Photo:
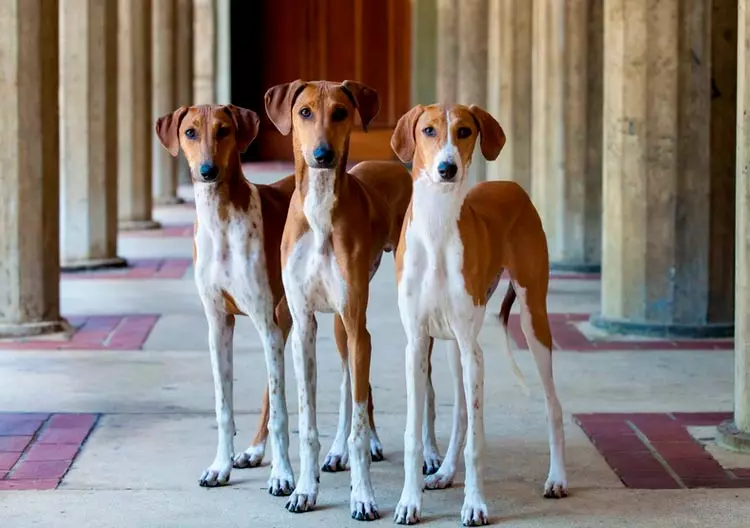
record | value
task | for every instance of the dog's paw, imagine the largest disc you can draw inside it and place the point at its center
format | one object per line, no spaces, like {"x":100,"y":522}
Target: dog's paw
{"x":364,"y":510}
{"x":250,"y":458}
{"x":376,"y":449}
{"x":335,"y":462}
{"x":216,"y":475}
{"x":301,"y":502}
{"x":555,"y":488}
{"x":409,"y":507}
{"x":431,"y":463}
{"x":474,"y":511}
{"x":439,"y":480}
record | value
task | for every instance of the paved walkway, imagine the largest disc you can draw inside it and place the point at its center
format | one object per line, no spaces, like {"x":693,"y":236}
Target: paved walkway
{"x":114,"y":427}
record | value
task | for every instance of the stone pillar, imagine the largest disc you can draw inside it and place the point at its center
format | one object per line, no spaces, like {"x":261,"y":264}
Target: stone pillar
{"x":657,"y":171}
{"x":446,"y":87}
{"x":164,"y":96}
{"x":566,"y":129}
{"x":735,"y":434}
{"x":29,"y":169}
{"x":509,"y":88}
{"x":184,"y":51}
{"x":204,"y":56}
{"x":223,"y":52}
{"x":134,"y":116}
{"x":473,"y":25}
{"x":423,"y":51}
{"x":88,"y":134}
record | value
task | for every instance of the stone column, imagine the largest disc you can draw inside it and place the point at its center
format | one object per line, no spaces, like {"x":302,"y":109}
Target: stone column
{"x":509,"y":87}
{"x":184,"y":50}
{"x":735,"y":434}
{"x":134,"y":116}
{"x":446,"y":88}
{"x":657,"y":171}
{"x":29,"y":169}
{"x":473,"y":25}
{"x":164,"y":96}
{"x":204,"y":56}
{"x":223,"y":52}
{"x":88,"y":134}
{"x":566,"y":129}
{"x":423,"y":51}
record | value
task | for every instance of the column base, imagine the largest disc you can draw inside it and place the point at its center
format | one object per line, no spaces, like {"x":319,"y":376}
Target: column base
{"x":60,"y":326}
{"x":168,"y":200}
{"x":138,"y":225}
{"x":731,"y":438}
{"x":572,"y":267}
{"x":615,"y":326}
{"x":93,"y":264}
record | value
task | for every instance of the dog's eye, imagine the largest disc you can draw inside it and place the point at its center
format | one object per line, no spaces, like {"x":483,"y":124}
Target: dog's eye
{"x":190,"y":133}
{"x":463,"y":132}
{"x":222,"y":132}
{"x":305,"y":113}
{"x":429,"y":131}
{"x":339,"y":114}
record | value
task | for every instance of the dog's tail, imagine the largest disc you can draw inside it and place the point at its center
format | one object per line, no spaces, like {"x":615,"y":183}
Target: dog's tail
{"x":510,"y":297}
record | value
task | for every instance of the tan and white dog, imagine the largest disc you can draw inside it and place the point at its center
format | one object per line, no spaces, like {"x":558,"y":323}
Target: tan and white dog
{"x":338,"y":227}
{"x":237,"y":258}
{"x":454,"y":245}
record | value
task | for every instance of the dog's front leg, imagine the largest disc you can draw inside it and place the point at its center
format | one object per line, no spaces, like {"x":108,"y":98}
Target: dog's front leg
{"x":474,"y":510}
{"x":409,"y":506}
{"x":220,"y":334}
{"x":304,"y":331}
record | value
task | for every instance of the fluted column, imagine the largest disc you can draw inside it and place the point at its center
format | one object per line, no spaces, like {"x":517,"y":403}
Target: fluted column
{"x":88,"y":134}
{"x":29,"y":169}
{"x":446,"y":89}
{"x":134,"y":116}
{"x":473,"y":24}
{"x":223,"y":52}
{"x":509,"y":87}
{"x":204,"y":56}
{"x":658,"y":177}
{"x":424,"y":51}
{"x":164,"y":95}
{"x":184,"y":50}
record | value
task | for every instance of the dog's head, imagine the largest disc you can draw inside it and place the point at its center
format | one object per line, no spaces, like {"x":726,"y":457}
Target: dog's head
{"x":211,"y":136}
{"x":440,"y":140}
{"x":321,"y":116}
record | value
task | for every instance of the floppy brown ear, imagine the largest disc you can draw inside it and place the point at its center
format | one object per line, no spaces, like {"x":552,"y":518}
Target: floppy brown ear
{"x":246,"y":124}
{"x":279,"y":101}
{"x":168,"y":130}
{"x":492,"y":137}
{"x":403,"y":140}
{"x":365,"y":99}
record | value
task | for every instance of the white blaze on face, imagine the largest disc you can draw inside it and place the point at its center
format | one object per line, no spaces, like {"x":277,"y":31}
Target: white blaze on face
{"x":448,"y":153}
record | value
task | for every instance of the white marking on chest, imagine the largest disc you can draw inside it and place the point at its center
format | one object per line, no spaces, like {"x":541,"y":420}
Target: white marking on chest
{"x":312,"y":275}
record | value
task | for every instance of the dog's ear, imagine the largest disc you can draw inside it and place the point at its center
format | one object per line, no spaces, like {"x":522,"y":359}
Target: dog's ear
{"x":403,"y":140}
{"x":366,"y":100}
{"x":246,"y":125}
{"x":279,"y":101}
{"x":492,"y":137}
{"x":168,"y":130}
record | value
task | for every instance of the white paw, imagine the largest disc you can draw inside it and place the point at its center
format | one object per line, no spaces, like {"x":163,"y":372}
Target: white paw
{"x":363,"y":506}
{"x":216,"y":475}
{"x":440,"y":480}
{"x":432,"y":461}
{"x":335,"y":462}
{"x":474,"y":511}
{"x":305,"y":496}
{"x":252,"y":457}
{"x":409,"y":508}
{"x":281,"y":482}
{"x":556,"y":486}
{"x":376,"y":448}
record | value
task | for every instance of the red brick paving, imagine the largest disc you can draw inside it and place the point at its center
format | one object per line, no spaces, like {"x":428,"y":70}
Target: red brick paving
{"x":566,"y":336}
{"x":106,"y":332}
{"x":182,"y":230}
{"x":138,"y":269}
{"x":40,"y":461}
{"x":630,"y":444}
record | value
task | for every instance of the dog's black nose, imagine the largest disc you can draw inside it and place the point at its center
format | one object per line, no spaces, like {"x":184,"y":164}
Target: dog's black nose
{"x":209,"y":171}
{"x":323,"y":155}
{"x":447,"y":170}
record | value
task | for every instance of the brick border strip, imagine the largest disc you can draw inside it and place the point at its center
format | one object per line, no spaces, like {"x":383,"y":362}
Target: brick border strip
{"x":173,"y":268}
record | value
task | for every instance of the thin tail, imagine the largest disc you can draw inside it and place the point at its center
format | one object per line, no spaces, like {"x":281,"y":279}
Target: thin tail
{"x":510,"y":297}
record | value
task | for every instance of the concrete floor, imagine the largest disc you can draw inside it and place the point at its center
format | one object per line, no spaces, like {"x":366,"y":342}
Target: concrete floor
{"x":140,"y":467}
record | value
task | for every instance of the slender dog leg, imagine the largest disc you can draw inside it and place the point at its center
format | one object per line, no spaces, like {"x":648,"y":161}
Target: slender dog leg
{"x":338,"y":455}
{"x":444,"y":476}
{"x":253,"y":455}
{"x":535,"y":328}
{"x":220,"y":334}
{"x":409,"y":506}
{"x":304,"y":331}
{"x":376,"y":448}
{"x":431,"y":452}
{"x":474,"y":510}
{"x":362,"y":502}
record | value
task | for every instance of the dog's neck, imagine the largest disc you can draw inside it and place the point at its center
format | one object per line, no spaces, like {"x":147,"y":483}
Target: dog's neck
{"x":436,"y":207}
{"x":215,"y":202}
